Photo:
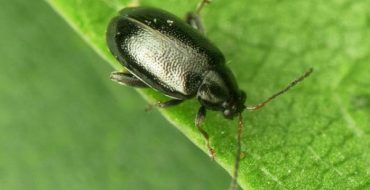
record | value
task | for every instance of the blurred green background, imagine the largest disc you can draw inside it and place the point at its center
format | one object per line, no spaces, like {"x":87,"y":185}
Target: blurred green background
{"x":65,"y":125}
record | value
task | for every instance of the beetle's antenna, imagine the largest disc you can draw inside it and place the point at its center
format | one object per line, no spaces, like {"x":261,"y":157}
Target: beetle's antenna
{"x":291,"y":84}
{"x":234,"y":182}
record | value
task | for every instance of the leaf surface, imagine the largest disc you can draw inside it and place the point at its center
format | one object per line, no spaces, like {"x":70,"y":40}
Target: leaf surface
{"x":314,"y":137}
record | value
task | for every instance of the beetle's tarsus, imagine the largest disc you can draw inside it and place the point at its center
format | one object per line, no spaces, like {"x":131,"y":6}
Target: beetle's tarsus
{"x":211,"y":151}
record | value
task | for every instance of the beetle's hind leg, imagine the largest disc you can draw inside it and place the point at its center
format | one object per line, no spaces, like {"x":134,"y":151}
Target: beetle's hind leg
{"x":194,"y":19}
{"x":128,"y":79}
{"x":166,"y":104}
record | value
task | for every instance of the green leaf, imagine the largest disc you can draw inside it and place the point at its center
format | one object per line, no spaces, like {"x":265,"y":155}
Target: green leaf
{"x":65,"y":126}
{"x":314,"y":137}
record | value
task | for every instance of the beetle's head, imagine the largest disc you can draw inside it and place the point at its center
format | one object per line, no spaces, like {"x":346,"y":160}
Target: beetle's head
{"x":219,"y":92}
{"x":234,"y":105}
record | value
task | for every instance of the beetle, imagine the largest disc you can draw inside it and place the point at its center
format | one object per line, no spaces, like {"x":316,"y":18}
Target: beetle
{"x":173,"y":56}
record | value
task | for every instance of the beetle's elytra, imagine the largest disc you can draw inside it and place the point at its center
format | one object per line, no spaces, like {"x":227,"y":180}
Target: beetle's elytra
{"x":173,"y":56}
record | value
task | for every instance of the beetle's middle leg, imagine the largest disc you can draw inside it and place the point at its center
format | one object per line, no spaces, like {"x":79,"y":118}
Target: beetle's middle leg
{"x":194,"y":19}
{"x":128,"y":79}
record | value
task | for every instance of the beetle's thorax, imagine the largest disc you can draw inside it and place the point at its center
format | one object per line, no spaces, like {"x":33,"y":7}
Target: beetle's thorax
{"x":213,"y":90}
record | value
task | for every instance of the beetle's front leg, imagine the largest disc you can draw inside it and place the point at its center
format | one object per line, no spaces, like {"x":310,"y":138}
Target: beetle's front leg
{"x":198,"y":122}
{"x":166,"y":104}
{"x":194,"y":19}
